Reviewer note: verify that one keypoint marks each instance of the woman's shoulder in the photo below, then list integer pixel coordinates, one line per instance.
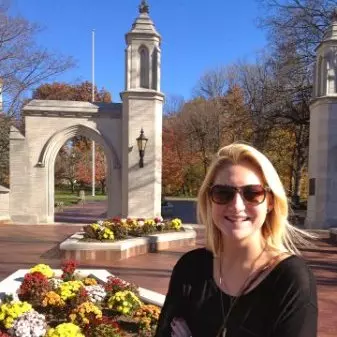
(294, 267)
(198, 255)
(294, 275)
(199, 260)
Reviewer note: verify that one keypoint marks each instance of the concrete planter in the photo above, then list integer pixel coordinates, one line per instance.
(11, 284)
(87, 252)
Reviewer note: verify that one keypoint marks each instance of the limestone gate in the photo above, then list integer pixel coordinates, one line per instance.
(132, 190)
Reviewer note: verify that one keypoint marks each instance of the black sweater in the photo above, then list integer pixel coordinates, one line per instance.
(284, 304)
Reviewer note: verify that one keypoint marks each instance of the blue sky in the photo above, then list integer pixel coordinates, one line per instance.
(197, 35)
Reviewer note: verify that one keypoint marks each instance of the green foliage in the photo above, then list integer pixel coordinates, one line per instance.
(105, 330)
(69, 198)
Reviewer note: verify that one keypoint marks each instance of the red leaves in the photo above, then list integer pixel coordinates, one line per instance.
(83, 166)
(71, 92)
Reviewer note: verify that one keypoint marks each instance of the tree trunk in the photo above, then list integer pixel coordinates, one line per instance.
(72, 184)
(103, 187)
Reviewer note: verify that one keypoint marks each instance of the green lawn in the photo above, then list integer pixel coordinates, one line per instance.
(69, 198)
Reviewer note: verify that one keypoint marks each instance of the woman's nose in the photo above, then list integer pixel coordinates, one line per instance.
(238, 202)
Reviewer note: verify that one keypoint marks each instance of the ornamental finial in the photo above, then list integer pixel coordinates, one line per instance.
(144, 7)
(334, 15)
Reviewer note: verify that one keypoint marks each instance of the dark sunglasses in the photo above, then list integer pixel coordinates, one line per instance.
(252, 194)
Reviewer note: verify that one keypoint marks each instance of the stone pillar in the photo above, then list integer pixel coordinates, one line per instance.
(19, 203)
(142, 108)
(4, 203)
(142, 186)
(322, 200)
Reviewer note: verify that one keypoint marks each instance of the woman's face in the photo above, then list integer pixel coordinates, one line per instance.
(239, 219)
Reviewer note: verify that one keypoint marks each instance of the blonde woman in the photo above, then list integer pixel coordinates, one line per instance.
(250, 280)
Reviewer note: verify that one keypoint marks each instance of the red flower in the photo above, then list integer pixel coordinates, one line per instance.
(115, 284)
(4, 334)
(68, 267)
(106, 320)
(33, 286)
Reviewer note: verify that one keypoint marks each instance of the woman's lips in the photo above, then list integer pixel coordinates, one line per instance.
(237, 219)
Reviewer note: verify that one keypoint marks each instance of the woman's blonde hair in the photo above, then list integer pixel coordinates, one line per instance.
(277, 231)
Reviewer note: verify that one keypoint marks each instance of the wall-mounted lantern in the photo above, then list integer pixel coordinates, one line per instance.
(141, 142)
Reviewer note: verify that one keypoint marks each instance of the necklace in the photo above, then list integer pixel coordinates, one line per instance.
(245, 286)
(251, 279)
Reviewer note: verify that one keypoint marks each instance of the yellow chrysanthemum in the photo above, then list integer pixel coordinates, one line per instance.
(43, 269)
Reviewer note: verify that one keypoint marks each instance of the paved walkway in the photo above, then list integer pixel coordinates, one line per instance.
(88, 212)
(22, 246)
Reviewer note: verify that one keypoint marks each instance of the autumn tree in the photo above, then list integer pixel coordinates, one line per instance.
(213, 83)
(221, 87)
(256, 83)
(174, 156)
(173, 105)
(276, 97)
(65, 165)
(296, 23)
(83, 165)
(202, 127)
(192, 135)
(295, 28)
(71, 92)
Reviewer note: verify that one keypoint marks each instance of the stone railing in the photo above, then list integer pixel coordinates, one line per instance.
(4, 203)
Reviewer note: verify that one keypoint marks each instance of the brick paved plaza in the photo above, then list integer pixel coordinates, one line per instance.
(24, 245)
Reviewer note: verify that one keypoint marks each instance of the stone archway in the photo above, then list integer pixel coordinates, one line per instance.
(48, 156)
(49, 124)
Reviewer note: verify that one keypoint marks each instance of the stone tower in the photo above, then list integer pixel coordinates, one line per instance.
(322, 201)
(142, 109)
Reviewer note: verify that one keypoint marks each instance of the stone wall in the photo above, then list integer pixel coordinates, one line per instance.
(4, 203)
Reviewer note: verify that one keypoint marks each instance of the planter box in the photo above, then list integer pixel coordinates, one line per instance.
(87, 252)
(12, 283)
(333, 235)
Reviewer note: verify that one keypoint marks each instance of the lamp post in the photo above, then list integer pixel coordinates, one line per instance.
(141, 142)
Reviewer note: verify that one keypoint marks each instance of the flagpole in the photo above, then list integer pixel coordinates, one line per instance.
(93, 100)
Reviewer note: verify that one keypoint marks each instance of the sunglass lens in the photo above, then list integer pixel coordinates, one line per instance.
(254, 194)
(222, 194)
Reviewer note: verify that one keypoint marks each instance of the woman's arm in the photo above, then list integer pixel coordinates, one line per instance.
(171, 307)
(297, 309)
(298, 322)
(186, 292)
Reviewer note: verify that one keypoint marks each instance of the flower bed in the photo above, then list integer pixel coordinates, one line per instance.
(120, 229)
(75, 305)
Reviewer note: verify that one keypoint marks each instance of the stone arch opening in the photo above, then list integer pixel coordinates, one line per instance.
(155, 69)
(48, 155)
(144, 67)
